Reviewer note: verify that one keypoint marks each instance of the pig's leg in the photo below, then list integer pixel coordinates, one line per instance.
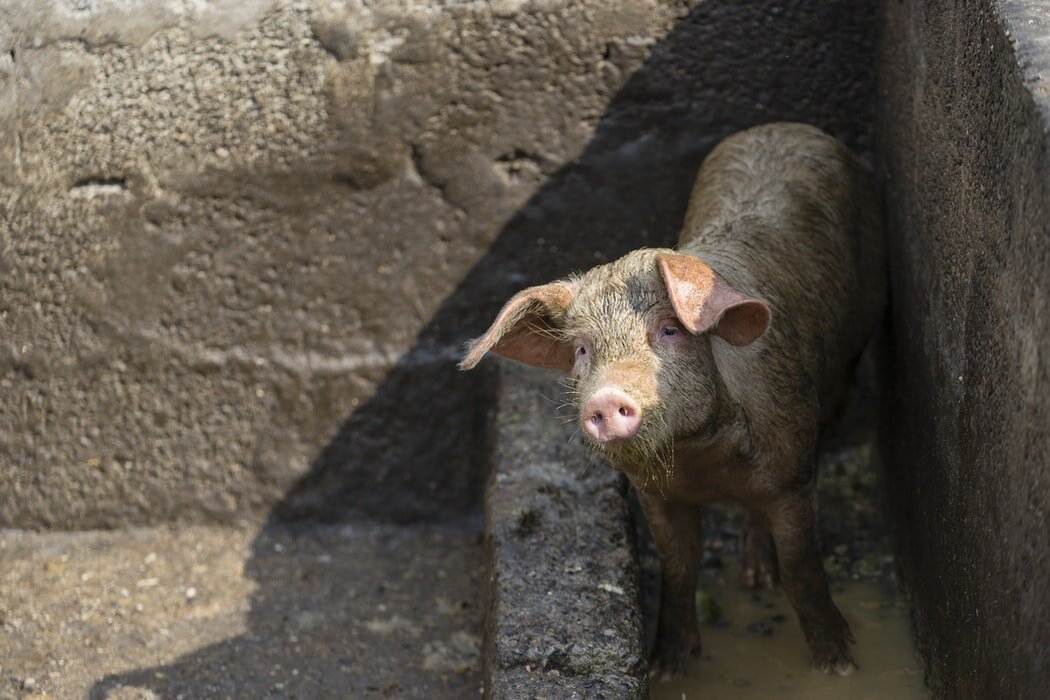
(758, 554)
(677, 535)
(794, 525)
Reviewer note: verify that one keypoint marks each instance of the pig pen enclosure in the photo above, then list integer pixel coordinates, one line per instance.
(241, 246)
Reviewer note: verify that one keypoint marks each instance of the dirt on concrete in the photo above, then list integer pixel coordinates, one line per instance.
(354, 610)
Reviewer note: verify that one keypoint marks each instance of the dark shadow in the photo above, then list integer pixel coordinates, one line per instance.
(725, 66)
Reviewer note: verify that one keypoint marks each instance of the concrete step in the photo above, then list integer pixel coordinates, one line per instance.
(564, 617)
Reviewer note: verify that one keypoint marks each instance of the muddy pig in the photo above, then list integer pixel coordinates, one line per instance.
(706, 373)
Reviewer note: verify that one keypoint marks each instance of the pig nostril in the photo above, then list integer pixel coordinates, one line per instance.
(610, 415)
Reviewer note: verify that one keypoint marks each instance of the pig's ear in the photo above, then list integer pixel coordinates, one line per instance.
(704, 301)
(526, 330)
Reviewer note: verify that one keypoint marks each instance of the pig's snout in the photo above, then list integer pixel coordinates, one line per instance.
(611, 415)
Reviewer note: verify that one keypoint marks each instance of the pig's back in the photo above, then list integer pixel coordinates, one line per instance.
(788, 214)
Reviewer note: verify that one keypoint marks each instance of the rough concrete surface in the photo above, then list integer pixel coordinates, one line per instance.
(564, 615)
(206, 612)
(964, 160)
(241, 243)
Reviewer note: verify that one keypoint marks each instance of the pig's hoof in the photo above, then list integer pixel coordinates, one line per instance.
(669, 666)
(842, 668)
(758, 560)
(833, 656)
(672, 660)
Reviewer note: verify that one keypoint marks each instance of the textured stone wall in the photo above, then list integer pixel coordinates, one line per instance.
(963, 143)
(241, 243)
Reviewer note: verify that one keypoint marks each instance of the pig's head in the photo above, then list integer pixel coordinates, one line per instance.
(634, 337)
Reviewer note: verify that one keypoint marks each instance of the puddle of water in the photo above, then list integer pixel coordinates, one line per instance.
(757, 650)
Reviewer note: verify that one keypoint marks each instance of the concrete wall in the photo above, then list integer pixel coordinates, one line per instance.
(962, 135)
(241, 243)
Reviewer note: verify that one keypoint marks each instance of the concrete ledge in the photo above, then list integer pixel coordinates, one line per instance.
(564, 614)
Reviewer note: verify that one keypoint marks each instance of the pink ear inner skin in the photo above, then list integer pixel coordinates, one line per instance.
(744, 323)
(522, 332)
(528, 341)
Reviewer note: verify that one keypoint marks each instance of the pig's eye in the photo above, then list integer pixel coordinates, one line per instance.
(668, 333)
(583, 359)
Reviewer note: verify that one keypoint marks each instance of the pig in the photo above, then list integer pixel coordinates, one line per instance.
(707, 373)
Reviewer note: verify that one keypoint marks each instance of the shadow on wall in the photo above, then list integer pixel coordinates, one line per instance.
(725, 66)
